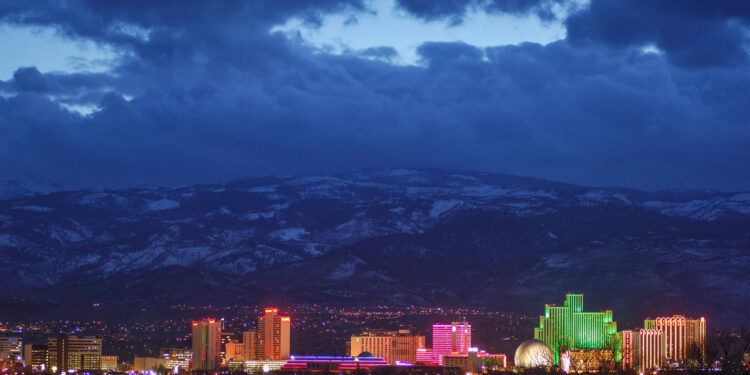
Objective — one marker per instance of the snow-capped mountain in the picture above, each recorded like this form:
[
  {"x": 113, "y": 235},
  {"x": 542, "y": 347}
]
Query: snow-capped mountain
[{"x": 381, "y": 236}]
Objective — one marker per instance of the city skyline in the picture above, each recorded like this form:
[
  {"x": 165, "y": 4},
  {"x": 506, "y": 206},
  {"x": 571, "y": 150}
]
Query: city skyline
[{"x": 660, "y": 343}]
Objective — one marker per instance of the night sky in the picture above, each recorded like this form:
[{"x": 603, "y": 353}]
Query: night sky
[{"x": 634, "y": 93}]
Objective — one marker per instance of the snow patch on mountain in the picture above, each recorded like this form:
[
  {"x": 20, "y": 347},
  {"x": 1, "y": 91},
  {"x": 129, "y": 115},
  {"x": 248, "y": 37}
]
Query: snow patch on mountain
[
  {"x": 593, "y": 197},
  {"x": 162, "y": 204},
  {"x": 442, "y": 206},
  {"x": 707, "y": 210},
  {"x": 290, "y": 234},
  {"x": 345, "y": 270},
  {"x": 744, "y": 197},
  {"x": 6, "y": 240},
  {"x": 482, "y": 191},
  {"x": 259, "y": 215}
]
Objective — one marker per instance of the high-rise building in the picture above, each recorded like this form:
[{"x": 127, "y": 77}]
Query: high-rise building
[
  {"x": 71, "y": 352},
  {"x": 250, "y": 344},
  {"x": 226, "y": 337},
  {"x": 629, "y": 340},
  {"x": 393, "y": 346},
  {"x": 425, "y": 357},
  {"x": 569, "y": 327},
  {"x": 206, "y": 345},
  {"x": 235, "y": 351},
  {"x": 109, "y": 363},
  {"x": 10, "y": 348},
  {"x": 176, "y": 357},
  {"x": 679, "y": 334},
  {"x": 273, "y": 335},
  {"x": 451, "y": 338},
  {"x": 650, "y": 349},
  {"x": 35, "y": 355}
]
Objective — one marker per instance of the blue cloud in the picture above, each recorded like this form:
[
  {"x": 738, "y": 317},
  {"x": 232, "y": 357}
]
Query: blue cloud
[{"x": 216, "y": 96}]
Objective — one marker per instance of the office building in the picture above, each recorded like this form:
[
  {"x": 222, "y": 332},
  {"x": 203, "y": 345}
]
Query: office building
[
  {"x": 226, "y": 337},
  {"x": 11, "y": 348},
  {"x": 467, "y": 362},
  {"x": 109, "y": 363},
  {"x": 145, "y": 364},
  {"x": 250, "y": 345},
  {"x": 35, "y": 355},
  {"x": 273, "y": 335},
  {"x": 176, "y": 357},
  {"x": 255, "y": 367},
  {"x": 451, "y": 338},
  {"x": 74, "y": 353},
  {"x": 650, "y": 349},
  {"x": 679, "y": 334},
  {"x": 425, "y": 357},
  {"x": 235, "y": 351},
  {"x": 206, "y": 345},
  {"x": 475, "y": 361},
  {"x": 569, "y": 327},
  {"x": 629, "y": 341},
  {"x": 393, "y": 346}
]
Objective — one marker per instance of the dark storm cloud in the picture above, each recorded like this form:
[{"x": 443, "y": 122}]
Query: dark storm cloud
[
  {"x": 455, "y": 10},
  {"x": 214, "y": 96},
  {"x": 692, "y": 33}
]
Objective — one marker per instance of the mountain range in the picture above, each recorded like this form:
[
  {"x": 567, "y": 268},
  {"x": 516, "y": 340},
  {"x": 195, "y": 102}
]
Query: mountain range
[{"x": 378, "y": 237}]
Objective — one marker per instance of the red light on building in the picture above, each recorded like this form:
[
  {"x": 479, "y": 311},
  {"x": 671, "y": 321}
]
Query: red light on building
[
  {"x": 212, "y": 321},
  {"x": 285, "y": 319},
  {"x": 195, "y": 324}
]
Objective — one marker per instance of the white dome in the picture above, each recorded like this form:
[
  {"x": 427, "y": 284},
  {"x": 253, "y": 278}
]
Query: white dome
[{"x": 533, "y": 353}]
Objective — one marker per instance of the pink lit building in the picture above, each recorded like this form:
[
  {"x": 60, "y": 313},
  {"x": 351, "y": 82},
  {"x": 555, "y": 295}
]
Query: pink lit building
[{"x": 454, "y": 338}]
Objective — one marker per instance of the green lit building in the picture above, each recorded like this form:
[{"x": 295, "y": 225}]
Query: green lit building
[{"x": 569, "y": 327}]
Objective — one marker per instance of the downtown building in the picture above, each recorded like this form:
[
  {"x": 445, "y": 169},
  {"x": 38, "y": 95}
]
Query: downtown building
[
  {"x": 250, "y": 345},
  {"x": 273, "y": 336},
  {"x": 109, "y": 363},
  {"x": 35, "y": 355},
  {"x": 394, "y": 347},
  {"x": 643, "y": 349},
  {"x": 447, "y": 339},
  {"x": 66, "y": 352},
  {"x": 651, "y": 349},
  {"x": 568, "y": 327},
  {"x": 271, "y": 341},
  {"x": 10, "y": 348},
  {"x": 681, "y": 335},
  {"x": 206, "y": 345},
  {"x": 176, "y": 357}
]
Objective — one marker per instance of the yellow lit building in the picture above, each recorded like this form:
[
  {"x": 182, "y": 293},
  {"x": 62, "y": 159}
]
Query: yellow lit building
[
  {"x": 273, "y": 335},
  {"x": 235, "y": 351},
  {"x": 176, "y": 357},
  {"x": 77, "y": 353},
  {"x": 679, "y": 333},
  {"x": 109, "y": 363},
  {"x": 392, "y": 346}
]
